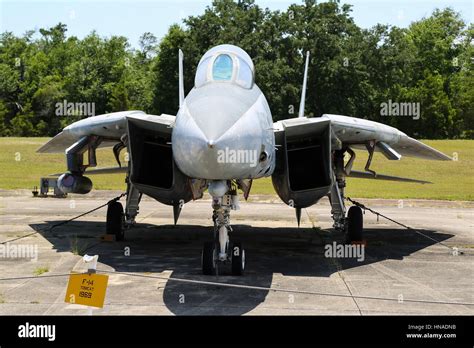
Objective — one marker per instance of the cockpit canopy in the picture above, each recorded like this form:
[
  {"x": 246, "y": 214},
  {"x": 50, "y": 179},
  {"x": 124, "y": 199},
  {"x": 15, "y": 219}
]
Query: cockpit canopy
[{"x": 225, "y": 63}]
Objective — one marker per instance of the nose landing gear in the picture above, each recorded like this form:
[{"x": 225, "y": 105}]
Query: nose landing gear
[
  {"x": 221, "y": 252},
  {"x": 209, "y": 258}
]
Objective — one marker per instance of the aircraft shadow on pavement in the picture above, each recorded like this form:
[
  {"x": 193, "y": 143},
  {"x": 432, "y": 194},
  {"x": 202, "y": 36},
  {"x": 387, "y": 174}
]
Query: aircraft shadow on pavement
[{"x": 289, "y": 251}]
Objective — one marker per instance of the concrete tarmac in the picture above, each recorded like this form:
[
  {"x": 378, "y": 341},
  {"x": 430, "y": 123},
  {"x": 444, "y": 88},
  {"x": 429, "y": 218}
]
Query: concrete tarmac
[{"x": 402, "y": 273}]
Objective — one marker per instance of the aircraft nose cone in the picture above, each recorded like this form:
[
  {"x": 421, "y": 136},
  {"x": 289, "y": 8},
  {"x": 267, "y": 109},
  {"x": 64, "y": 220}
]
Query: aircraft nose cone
[
  {"x": 215, "y": 108},
  {"x": 198, "y": 156},
  {"x": 218, "y": 132}
]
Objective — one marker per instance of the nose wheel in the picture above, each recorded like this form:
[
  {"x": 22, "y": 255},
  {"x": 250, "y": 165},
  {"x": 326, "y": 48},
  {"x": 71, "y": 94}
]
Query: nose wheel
[
  {"x": 210, "y": 259},
  {"x": 222, "y": 252}
]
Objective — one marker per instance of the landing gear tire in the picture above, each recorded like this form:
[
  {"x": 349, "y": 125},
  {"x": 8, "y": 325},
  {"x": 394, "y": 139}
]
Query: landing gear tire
[
  {"x": 209, "y": 259},
  {"x": 238, "y": 259},
  {"x": 355, "y": 225},
  {"x": 116, "y": 220}
]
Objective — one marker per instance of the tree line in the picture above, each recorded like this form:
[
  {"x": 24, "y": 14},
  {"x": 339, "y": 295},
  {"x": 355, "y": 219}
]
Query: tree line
[{"x": 353, "y": 71}]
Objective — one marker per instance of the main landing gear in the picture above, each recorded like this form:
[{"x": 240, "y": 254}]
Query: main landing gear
[
  {"x": 350, "y": 222},
  {"x": 355, "y": 228},
  {"x": 119, "y": 220},
  {"x": 221, "y": 251},
  {"x": 115, "y": 224}
]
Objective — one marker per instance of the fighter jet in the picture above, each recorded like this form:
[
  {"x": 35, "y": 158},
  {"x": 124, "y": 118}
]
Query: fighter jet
[{"x": 221, "y": 139}]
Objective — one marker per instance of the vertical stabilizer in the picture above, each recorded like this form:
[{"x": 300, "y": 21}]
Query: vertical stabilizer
[{"x": 303, "y": 92}]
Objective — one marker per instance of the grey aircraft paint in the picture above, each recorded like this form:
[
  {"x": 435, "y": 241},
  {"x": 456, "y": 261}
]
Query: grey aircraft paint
[{"x": 224, "y": 129}]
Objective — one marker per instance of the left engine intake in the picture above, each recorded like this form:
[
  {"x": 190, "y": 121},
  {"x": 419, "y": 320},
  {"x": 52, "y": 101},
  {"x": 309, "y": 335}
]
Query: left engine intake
[{"x": 303, "y": 174}]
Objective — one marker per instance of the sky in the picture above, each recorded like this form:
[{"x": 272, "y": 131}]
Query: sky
[{"x": 132, "y": 18}]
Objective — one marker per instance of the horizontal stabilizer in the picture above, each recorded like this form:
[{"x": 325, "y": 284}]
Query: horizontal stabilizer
[
  {"x": 368, "y": 175},
  {"x": 63, "y": 140},
  {"x": 391, "y": 142},
  {"x": 58, "y": 144}
]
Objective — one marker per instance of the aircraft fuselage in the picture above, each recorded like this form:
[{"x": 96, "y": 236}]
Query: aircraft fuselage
[{"x": 224, "y": 131}]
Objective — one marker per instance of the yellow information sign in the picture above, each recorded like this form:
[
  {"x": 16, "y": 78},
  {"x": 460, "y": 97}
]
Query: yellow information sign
[{"x": 87, "y": 289}]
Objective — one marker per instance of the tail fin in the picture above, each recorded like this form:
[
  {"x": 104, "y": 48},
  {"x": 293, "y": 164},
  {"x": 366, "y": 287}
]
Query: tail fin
[
  {"x": 303, "y": 92},
  {"x": 181, "y": 79}
]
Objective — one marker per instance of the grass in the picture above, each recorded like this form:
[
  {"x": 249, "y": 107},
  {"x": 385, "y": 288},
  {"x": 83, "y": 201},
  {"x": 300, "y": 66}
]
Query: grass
[
  {"x": 452, "y": 180},
  {"x": 40, "y": 270},
  {"x": 77, "y": 246},
  {"x": 21, "y": 168}
]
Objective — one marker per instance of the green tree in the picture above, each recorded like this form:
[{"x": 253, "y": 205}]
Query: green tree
[{"x": 352, "y": 70}]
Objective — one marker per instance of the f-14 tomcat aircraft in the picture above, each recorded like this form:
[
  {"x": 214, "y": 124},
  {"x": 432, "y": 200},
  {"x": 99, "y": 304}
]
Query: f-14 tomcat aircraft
[{"x": 221, "y": 139}]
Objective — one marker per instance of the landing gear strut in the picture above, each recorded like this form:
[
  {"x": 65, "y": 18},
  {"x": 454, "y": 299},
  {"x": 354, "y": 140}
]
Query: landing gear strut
[
  {"x": 221, "y": 251},
  {"x": 352, "y": 222},
  {"x": 118, "y": 219}
]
